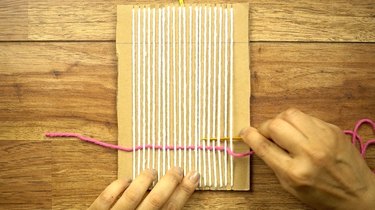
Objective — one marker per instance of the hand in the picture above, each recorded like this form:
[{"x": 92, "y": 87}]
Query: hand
[
  {"x": 171, "y": 192},
  {"x": 314, "y": 161}
]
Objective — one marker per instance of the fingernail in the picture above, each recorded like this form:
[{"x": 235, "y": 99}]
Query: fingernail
[
  {"x": 126, "y": 180},
  {"x": 180, "y": 171},
  {"x": 194, "y": 177}
]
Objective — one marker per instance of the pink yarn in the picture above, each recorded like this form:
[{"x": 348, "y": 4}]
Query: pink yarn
[
  {"x": 357, "y": 138},
  {"x": 140, "y": 147},
  {"x": 354, "y": 133}
]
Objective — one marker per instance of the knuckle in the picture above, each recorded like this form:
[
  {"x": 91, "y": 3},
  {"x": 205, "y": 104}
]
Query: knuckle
[
  {"x": 291, "y": 113},
  {"x": 336, "y": 128},
  {"x": 275, "y": 124},
  {"x": 262, "y": 149},
  {"x": 319, "y": 157},
  {"x": 172, "y": 205},
  {"x": 300, "y": 178},
  {"x": 328, "y": 136},
  {"x": 131, "y": 196},
  {"x": 337, "y": 132},
  {"x": 187, "y": 188},
  {"x": 155, "y": 201},
  {"x": 106, "y": 198},
  {"x": 328, "y": 130}
]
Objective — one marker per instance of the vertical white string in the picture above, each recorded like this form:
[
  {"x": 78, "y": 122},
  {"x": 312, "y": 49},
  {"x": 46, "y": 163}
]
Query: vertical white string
[
  {"x": 204, "y": 101},
  {"x": 190, "y": 82},
  {"x": 209, "y": 98},
  {"x": 168, "y": 87},
  {"x": 218, "y": 132},
  {"x": 225, "y": 163},
  {"x": 133, "y": 90},
  {"x": 199, "y": 91},
  {"x": 174, "y": 89},
  {"x": 179, "y": 87},
  {"x": 148, "y": 88},
  {"x": 139, "y": 89},
  {"x": 143, "y": 69},
  {"x": 144, "y": 91},
  {"x": 163, "y": 86},
  {"x": 214, "y": 97},
  {"x": 184, "y": 88},
  {"x": 197, "y": 88},
  {"x": 231, "y": 97},
  {"x": 159, "y": 92},
  {"x": 154, "y": 88},
  {"x": 226, "y": 96}
]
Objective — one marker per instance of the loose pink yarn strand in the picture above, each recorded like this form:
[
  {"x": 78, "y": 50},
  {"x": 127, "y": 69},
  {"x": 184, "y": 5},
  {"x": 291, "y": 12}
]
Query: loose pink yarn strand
[{"x": 355, "y": 138}]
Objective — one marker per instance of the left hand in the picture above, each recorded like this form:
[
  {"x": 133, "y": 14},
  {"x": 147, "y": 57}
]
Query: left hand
[{"x": 171, "y": 192}]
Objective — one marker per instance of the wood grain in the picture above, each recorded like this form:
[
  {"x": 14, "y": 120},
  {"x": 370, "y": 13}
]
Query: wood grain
[
  {"x": 271, "y": 20},
  {"x": 57, "y": 86},
  {"x": 14, "y": 20},
  {"x": 80, "y": 172},
  {"x": 25, "y": 175},
  {"x": 71, "y": 86},
  {"x": 334, "y": 82}
]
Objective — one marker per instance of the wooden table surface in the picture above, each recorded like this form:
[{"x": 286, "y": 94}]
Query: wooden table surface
[{"x": 58, "y": 72}]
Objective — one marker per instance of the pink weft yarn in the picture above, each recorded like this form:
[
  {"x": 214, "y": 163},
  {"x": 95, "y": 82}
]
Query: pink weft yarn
[
  {"x": 140, "y": 147},
  {"x": 354, "y": 133}
]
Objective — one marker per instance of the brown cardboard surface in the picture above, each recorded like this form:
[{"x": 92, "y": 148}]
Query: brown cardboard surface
[{"x": 241, "y": 90}]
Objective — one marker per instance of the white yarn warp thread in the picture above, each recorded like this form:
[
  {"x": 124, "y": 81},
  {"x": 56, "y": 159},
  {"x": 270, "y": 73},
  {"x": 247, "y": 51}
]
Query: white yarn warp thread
[
  {"x": 231, "y": 96},
  {"x": 159, "y": 90},
  {"x": 139, "y": 90},
  {"x": 176, "y": 66},
  {"x": 190, "y": 83},
  {"x": 148, "y": 84},
  {"x": 144, "y": 91},
  {"x": 204, "y": 93}
]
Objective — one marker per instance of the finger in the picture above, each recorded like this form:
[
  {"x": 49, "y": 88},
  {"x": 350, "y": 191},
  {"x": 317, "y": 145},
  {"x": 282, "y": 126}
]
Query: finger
[
  {"x": 322, "y": 124},
  {"x": 269, "y": 152},
  {"x": 163, "y": 190},
  {"x": 183, "y": 191},
  {"x": 110, "y": 194},
  {"x": 132, "y": 196},
  {"x": 300, "y": 121},
  {"x": 327, "y": 129},
  {"x": 283, "y": 134}
]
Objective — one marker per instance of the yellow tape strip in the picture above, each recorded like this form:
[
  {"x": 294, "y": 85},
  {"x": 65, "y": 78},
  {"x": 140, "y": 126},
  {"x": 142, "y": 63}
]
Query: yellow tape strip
[{"x": 225, "y": 139}]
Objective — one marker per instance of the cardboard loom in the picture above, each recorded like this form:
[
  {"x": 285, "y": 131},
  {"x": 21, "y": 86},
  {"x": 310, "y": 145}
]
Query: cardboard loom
[{"x": 241, "y": 90}]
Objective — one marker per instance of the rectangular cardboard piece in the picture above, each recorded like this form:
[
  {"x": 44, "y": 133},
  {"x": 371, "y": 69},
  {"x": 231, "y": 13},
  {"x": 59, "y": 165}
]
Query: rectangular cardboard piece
[{"x": 241, "y": 90}]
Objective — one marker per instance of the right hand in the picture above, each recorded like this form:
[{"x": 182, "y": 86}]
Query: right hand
[{"x": 314, "y": 161}]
